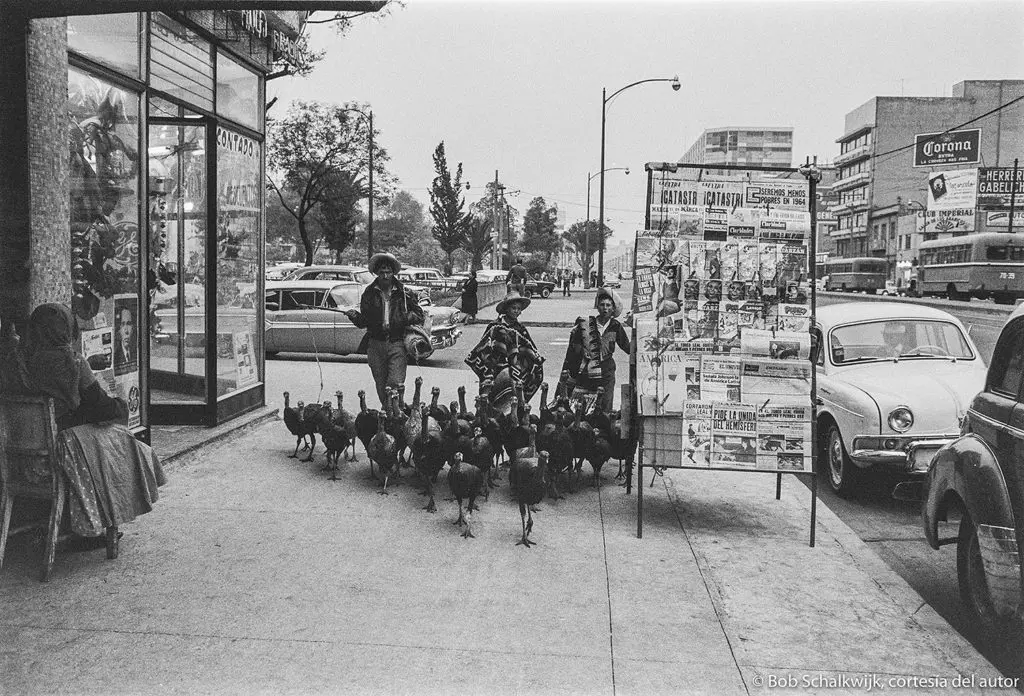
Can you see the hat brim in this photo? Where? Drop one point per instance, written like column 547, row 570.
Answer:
column 503, row 305
column 377, row 260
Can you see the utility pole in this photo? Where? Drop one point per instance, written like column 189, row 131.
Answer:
column 496, row 247
column 369, row 219
column 1013, row 196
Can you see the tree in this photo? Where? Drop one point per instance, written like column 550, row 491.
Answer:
column 399, row 223
column 479, row 241
column 576, row 235
column 539, row 238
column 446, row 207
column 308, row 148
column 493, row 202
column 339, row 212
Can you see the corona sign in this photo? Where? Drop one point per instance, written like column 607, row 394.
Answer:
column 951, row 147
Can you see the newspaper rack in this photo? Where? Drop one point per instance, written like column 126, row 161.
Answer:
column 721, row 369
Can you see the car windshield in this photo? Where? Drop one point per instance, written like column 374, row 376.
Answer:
column 344, row 296
column 897, row 338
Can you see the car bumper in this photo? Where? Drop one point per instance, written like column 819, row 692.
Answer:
column 444, row 337
column 908, row 454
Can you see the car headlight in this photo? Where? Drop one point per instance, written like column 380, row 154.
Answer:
column 901, row 419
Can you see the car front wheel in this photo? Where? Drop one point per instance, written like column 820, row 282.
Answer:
column 841, row 473
column 970, row 571
column 545, row 293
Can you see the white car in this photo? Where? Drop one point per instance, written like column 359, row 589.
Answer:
column 894, row 384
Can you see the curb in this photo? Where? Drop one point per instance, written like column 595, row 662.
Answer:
column 209, row 436
column 982, row 308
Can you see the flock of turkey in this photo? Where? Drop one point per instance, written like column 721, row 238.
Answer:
column 539, row 450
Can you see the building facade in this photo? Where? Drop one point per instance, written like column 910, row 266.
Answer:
column 145, row 201
column 742, row 145
column 882, row 174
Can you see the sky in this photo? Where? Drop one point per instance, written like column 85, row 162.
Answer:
column 516, row 86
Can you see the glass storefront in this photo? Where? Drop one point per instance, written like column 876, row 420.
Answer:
column 105, row 210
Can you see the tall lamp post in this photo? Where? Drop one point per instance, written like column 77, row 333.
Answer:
column 369, row 219
column 604, row 104
column 586, row 230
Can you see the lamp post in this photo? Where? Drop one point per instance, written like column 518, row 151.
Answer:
column 604, row 104
column 369, row 219
column 586, row 229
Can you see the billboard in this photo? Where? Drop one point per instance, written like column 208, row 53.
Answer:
column 997, row 185
column 956, row 188
column 951, row 147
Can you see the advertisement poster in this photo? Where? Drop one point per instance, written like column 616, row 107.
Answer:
column 126, row 335
column 128, row 389
column 997, row 185
column 952, row 220
column 245, row 361
column 953, row 189
column 782, row 194
column 98, row 348
column 675, row 205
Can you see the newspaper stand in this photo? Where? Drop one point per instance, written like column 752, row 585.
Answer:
column 688, row 213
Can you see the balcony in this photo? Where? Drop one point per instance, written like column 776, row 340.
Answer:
column 852, row 181
column 852, row 155
column 859, row 205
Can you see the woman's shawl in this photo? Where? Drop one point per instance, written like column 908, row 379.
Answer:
column 54, row 367
column 506, row 347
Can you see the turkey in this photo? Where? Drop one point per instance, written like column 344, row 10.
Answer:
column 293, row 421
column 366, row 425
column 395, row 424
column 335, row 437
column 428, row 456
column 309, row 417
column 346, row 420
column 411, row 426
column 582, row 435
column 383, row 449
column 528, row 475
column 559, row 447
column 465, row 482
column 481, row 455
column 439, row 412
column 598, row 453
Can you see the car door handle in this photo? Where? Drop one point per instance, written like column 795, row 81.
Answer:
column 824, row 391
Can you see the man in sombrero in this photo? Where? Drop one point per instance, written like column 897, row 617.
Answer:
column 386, row 310
column 506, row 354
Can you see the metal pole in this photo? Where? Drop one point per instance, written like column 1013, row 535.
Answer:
column 496, row 247
column 369, row 221
column 508, row 233
column 586, row 239
column 600, row 207
column 1013, row 196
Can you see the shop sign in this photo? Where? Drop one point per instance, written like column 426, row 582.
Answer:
column 955, row 220
column 953, row 189
column 236, row 142
column 254, row 22
column 1001, row 218
column 283, row 48
column 996, row 185
column 953, row 147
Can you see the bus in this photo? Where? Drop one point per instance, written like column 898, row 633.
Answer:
column 985, row 265
column 863, row 273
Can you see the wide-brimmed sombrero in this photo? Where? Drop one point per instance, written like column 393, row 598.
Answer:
column 616, row 302
column 377, row 259
column 512, row 296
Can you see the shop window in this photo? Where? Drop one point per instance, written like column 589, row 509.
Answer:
column 181, row 63
column 111, row 39
column 239, row 220
column 238, row 93
column 105, row 211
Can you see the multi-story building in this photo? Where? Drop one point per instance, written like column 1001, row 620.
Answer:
column 742, row 145
column 878, row 178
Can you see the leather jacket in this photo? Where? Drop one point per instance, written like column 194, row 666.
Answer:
column 405, row 311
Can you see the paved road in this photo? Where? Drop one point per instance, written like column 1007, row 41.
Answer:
column 892, row 528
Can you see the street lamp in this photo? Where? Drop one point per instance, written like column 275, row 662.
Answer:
column 369, row 219
column 586, row 230
column 604, row 104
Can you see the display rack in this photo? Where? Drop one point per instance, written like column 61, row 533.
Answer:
column 756, row 209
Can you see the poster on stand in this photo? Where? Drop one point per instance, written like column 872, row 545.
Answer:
column 722, row 323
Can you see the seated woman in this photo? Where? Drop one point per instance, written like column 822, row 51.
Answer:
column 506, row 355
column 112, row 476
column 589, row 359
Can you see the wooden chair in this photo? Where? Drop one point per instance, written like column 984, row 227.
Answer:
column 29, row 469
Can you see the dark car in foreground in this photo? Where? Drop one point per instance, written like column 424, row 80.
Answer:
column 542, row 288
column 980, row 478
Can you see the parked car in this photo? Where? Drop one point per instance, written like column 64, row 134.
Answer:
column 612, row 283
column 357, row 274
column 307, row 316
column 281, row 270
column 980, row 477
column 544, row 288
column 892, row 290
column 894, row 381
column 426, row 277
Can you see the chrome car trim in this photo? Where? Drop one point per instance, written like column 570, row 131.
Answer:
column 899, row 456
column 999, row 554
column 1016, row 432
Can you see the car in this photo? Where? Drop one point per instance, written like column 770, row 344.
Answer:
column 889, row 403
column 543, row 288
column 614, row 283
column 980, row 478
column 891, row 290
column 307, row 316
column 280, row 270
column 490, row 275
column 426, row 277
column 358, row 274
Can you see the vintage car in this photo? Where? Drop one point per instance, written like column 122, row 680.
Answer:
column 282, row 270
column 894, row 381
column 307, row 316
column 357, row 274
column 980, row 478
column 543, row 288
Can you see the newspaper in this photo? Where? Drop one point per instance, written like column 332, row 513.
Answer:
column 729, row 255
column 766, row 382
column 792, row 263
column 720, row 378
column 728, row 321
column 662, row 381
column 697, row 417
column 733, row 435
column 780, row 345
column 748, row 263
column 783, row 446
column 768, row 263
column 791, row 317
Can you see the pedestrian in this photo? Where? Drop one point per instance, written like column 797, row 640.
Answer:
column 593, row 278
column 507, row 354
column 112, row 477
column 516, row 278
column 470, row 301
column 589, row 359
column 387, row 310
column 567, row 285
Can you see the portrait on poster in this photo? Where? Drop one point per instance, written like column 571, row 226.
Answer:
column 126, row 336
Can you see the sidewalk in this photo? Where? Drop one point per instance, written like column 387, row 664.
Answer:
column 255, row 574
column 556, row 310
